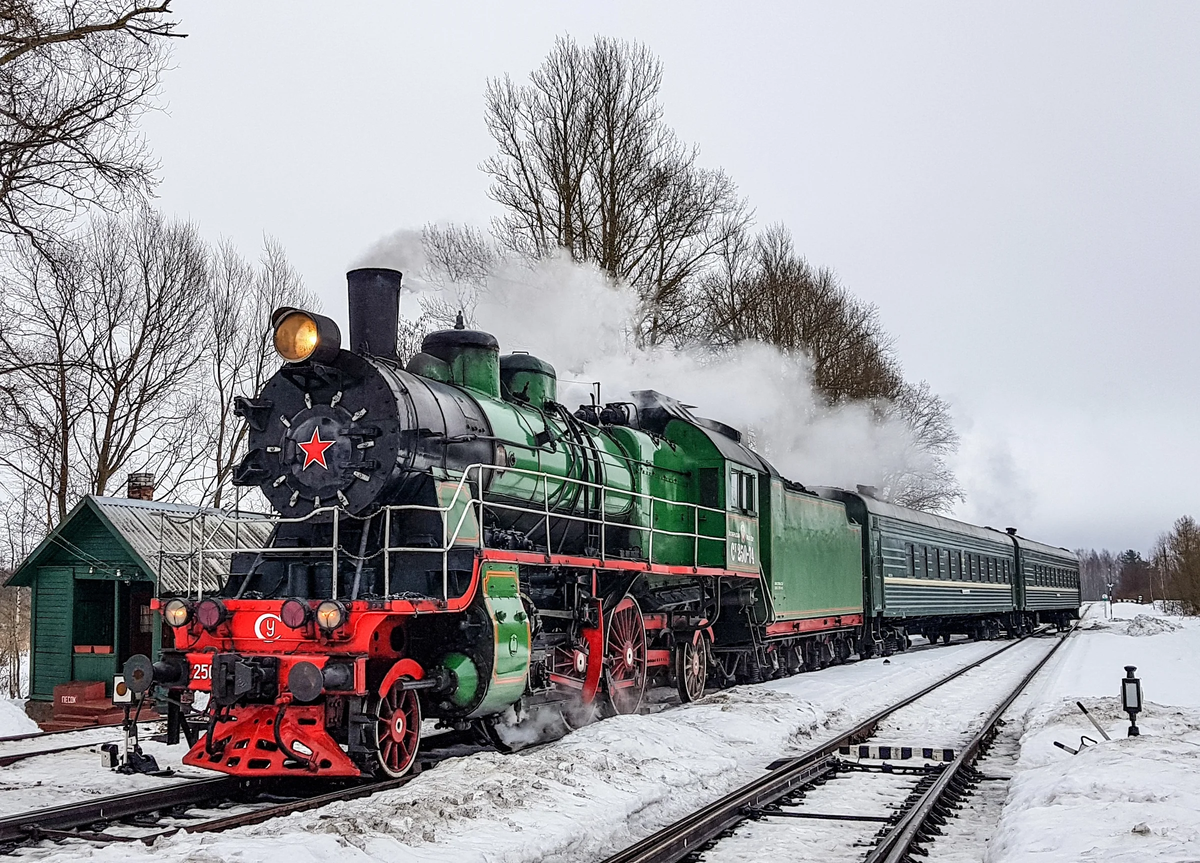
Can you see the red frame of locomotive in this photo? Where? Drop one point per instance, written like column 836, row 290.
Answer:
column 255, row 627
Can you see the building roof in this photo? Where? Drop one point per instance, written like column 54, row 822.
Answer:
column 164, row 539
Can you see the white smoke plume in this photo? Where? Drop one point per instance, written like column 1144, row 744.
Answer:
column 578, row 320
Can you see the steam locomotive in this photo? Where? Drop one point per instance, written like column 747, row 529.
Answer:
column 453, row 543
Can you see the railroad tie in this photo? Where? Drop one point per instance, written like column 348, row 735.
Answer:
column 897, row 753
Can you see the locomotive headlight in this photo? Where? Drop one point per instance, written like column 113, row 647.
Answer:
column 177, row 612
column 330, row 615
column 301, row 335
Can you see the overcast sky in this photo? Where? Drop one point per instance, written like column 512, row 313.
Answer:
column 1016, row 186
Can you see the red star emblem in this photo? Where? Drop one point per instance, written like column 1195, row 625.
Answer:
column 314, row 450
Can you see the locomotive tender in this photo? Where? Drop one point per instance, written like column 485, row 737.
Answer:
column 453, row 543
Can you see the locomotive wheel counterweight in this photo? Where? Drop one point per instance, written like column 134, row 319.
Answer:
column 626, row 649
column 397, row 729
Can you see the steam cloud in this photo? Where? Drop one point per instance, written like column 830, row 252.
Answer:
column 575, row 318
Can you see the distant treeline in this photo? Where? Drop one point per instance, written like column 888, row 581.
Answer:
column 1171, row 572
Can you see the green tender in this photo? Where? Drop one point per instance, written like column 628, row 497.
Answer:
column 811, row 554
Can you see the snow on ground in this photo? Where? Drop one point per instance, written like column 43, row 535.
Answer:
column 13, row 719
column 611, row 783
column 948, row 719
column 1131, row 799
column 582, row 797
column 68, row 777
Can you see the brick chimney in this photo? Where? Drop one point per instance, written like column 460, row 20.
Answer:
column 141, row 486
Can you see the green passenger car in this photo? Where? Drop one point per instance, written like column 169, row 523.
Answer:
column 1049, row 584
column 952, row 576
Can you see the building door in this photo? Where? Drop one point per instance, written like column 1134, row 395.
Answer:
column 52, row 635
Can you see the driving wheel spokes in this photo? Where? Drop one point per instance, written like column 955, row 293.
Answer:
column 397, row 725
column 691, row 669
column 625, row 649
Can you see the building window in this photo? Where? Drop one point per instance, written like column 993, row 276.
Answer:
column 145, row 619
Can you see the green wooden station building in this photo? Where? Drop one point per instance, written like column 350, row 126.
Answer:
column 94, row 575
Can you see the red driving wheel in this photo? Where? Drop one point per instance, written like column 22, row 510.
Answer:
column 625, row 649
column 397, row 729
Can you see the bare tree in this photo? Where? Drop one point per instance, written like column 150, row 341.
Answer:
column 239, row 354
column 587, row 164
column 44, row 392
column 19, row 524
column 75, row 76
column 764, row 291
column 104, row 336
column 1097, row 570
column 925, row 481
column 456, row 261
column 458, row 254
column 144, row 285
column 1176, row 559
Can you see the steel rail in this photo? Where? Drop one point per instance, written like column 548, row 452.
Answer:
column 692, row 832
column 7, row 759
column 258, row 816
column 60, row 822
column 39, row 735
column 13, row 758
column 899, row 842
column 18, row 828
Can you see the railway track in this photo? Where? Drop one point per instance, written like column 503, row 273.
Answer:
column 198, row 806
column 223, row 803
column 846, row 798
column 23, row 746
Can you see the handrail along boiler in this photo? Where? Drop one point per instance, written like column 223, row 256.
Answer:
column 451, row 542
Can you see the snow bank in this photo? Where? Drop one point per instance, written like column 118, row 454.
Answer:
column 1131, row 799
column 13, row 719
column 1143, row 625
column 1128, row 799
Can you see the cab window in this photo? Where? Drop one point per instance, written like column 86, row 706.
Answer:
column 743, row 491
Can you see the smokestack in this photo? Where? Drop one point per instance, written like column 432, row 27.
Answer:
column 140, row 486
column 374, row 297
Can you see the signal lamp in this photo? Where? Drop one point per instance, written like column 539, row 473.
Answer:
column 330, row 615
column 301, row 335
column 210, row 613
column 177, row 612
column 295, row 613
column 1131, row 698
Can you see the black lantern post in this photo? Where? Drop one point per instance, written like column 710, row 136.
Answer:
column 1131, row 698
